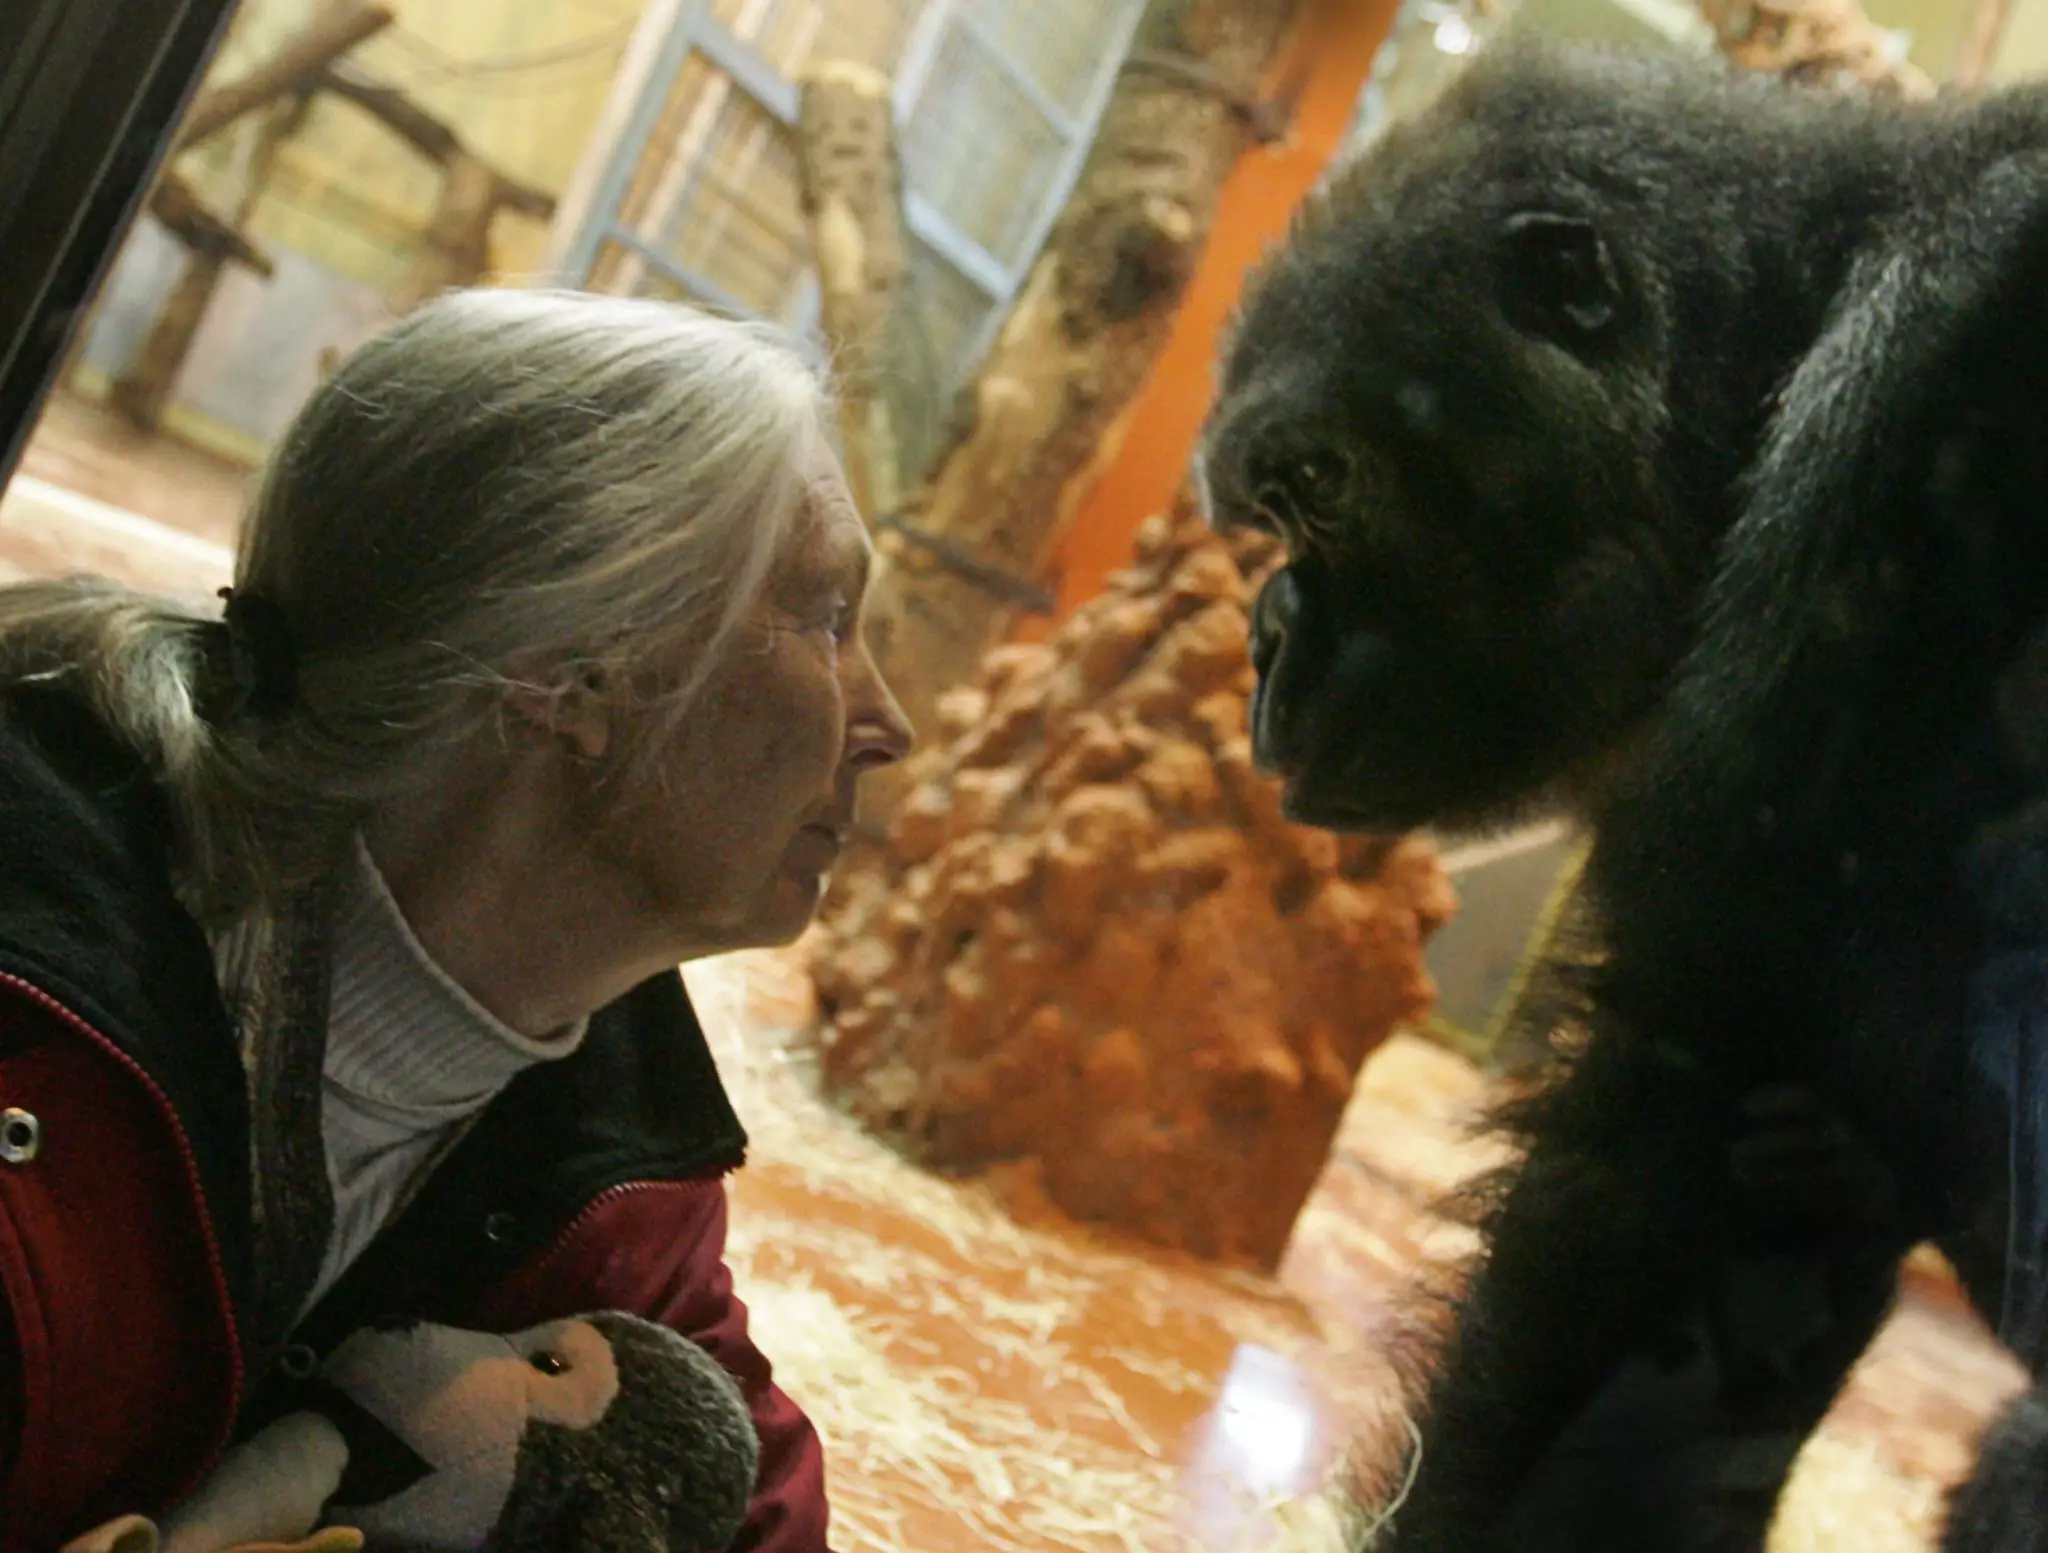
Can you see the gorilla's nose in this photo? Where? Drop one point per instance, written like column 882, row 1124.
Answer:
column 1280, row 624
column 1276, row 614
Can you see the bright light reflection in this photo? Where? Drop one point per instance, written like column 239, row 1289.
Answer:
column 1264, row 1421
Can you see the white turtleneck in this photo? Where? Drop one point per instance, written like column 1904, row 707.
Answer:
column 411, row 1061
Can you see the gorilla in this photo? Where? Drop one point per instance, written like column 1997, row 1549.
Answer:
column 1670, row 444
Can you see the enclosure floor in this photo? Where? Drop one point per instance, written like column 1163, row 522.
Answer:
column 86, row 448
column 986, row 1386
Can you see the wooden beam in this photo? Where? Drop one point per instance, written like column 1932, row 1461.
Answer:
column 174, row 204
column 143, row 388
column 291, row 69
column 432, row 137
column 405, row 118
column 1979, row 48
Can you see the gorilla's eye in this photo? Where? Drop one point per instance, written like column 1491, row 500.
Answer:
column 1297, row 490
column 1560, row 279
column 548, row 1363
column 1320, row 477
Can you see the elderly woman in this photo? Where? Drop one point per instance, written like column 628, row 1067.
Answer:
column 338, row 938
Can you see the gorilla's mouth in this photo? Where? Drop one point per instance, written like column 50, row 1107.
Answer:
column 1311, row 694
column 1323, row 680
column 1361, row 708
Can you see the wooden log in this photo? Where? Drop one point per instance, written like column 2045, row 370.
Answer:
column 1979, row 47
column 302, row 57
column 457, row 248
column 430, row 136
column 850, row 181
column 1822, row 42
column 457, row 240
column 174, row 204
column 144, row 386
column 1050, row 405
column 405, row 118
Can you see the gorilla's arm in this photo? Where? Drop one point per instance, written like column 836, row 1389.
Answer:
column 1891, row 528
column 1589, row 1247
column 1673, row 1289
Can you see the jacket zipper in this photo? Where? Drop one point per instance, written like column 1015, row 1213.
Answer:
column 538, row 1266
column 215, row 1264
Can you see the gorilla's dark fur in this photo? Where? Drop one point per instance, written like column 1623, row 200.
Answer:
column 1672, row 444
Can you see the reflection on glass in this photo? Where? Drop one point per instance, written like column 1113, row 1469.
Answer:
column 1264, row 1425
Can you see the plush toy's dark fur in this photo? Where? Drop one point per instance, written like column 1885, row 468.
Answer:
column 670, row 1466
column 1672, row 444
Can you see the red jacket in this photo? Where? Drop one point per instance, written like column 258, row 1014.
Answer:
column 125, row 1237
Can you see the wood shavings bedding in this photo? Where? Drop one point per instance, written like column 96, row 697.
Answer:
column 916, row 1441
column 1019, row 1479
column 923, row 1460
column 898, row 1433
column 1844, row 1498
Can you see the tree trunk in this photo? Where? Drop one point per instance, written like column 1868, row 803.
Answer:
column 1824, row 42
column 1980, row 44
column 852, row 198
column 1047, row 410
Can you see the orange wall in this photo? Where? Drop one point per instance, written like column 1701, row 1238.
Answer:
column 1256, row 203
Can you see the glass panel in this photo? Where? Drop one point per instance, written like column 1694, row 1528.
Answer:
column 719, row 196
column 980, row 152
column 677, row 140
column 924, row 357
column 1061, row 44
column 741, row 222
column 790, row 34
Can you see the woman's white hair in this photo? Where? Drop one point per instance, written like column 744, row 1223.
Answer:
column 507, row 488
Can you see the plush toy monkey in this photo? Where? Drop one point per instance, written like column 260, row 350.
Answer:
column 603, row 1433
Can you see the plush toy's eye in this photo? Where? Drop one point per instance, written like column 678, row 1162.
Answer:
column 548, row 1363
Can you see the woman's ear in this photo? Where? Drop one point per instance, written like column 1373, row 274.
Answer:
column 579, row 714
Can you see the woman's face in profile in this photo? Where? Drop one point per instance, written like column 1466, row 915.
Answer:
column 754, row 798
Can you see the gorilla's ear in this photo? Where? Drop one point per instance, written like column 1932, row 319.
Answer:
column 1559, row 280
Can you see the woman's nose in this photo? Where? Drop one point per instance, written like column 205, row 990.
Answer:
column 877, row 732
